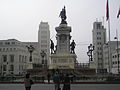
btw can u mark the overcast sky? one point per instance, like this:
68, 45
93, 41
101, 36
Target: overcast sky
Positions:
20, 19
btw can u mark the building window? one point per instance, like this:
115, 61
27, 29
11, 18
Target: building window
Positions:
4, 68
4, 58
20, 58
98, 38
13, 43
97, 43
115, 62
43, 41
11, 67
3, 49
98, 33
44, 37
7, 49
10, 49
98, 48
7, 43
11, 58
14, 49
1, 43
113, 56
98, 26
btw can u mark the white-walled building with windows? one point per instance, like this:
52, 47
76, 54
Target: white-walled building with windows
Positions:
99, 39
105, 53
116, 61
15, 57
44, 41
111, 61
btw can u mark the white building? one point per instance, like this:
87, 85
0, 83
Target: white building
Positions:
14, 57
115, 61
99, 39
44, 41
110, 61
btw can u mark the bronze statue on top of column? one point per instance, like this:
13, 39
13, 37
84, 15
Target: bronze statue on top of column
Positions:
63, 16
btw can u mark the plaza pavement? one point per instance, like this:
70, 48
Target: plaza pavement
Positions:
51, 87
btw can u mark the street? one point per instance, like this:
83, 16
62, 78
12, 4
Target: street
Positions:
51, 87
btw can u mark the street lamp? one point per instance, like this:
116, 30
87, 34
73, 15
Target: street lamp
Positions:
43, 54
117, 52
30, 49
89, 53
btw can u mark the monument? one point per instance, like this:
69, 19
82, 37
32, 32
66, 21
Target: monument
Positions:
64, 56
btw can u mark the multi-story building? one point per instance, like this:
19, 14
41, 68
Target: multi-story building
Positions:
44, 42
14, 57
115, 61
110, 56
99, 39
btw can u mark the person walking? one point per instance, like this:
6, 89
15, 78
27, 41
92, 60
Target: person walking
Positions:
56, 80
28, 82
66, 83
48, 77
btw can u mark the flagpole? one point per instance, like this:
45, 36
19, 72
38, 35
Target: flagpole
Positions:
109, 46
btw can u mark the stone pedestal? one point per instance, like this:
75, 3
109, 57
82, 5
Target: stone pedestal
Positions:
62, 61
62, 58
63, 38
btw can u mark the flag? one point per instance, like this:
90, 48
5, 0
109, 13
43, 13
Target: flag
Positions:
118, 13
107, 11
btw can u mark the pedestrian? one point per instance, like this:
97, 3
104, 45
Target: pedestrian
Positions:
48, 77
28, 82
66, 85
61, 77
56, 80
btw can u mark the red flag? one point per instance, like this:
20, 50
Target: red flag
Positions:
118, 13
107, 11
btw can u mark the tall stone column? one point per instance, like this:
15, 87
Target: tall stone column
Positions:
62, 58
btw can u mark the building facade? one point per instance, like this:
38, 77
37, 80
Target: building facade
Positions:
14, 57
44, 42
110, 57
99, 39
115, 62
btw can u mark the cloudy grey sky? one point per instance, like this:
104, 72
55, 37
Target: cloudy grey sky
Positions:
20, 19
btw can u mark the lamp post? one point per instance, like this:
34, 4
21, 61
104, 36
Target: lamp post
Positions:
43, 54
89, 53
30, 49
117, 49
